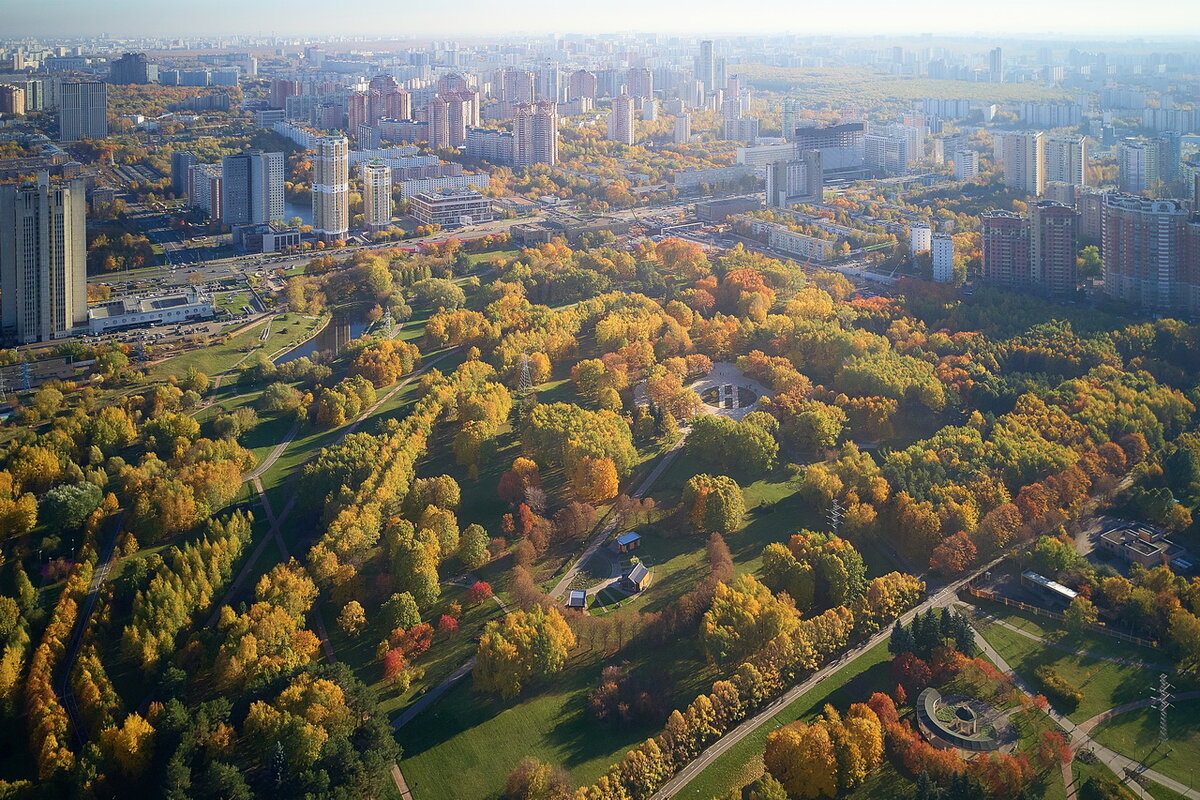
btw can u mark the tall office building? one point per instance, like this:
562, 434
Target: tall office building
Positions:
1145, 247
1052, 247
943, 257
377, 194
1066, 160
82, 111
996, 65
181, 164
581, 84
331, 187
620, 120
43, 260
252, 188
794, 181
683, 128
535, 134
706, 66
131, 68
1023, 156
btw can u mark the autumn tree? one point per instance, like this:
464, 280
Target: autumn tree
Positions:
520, 646
713, 503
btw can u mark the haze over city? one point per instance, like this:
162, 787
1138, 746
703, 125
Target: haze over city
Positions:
622, 401
1024, 18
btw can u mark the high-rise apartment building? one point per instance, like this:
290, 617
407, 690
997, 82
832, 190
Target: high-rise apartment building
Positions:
437, 119
1005, 260
132, 68
252, 188
548, 83
281, 90
535, 134
794, 181
181, 165
1052, 247
920, 238
581, 84
204, 189
1023, 156
82, 111
331, 187
1035, 252
640, 82
517, 86
706, 66
1066, 160
12, 99
791, 118
740, 129
943, 257
1147, 246
966, 165
377, 194
620, 120
996, 65
1146, 164
43, 260
888, 154
683, 128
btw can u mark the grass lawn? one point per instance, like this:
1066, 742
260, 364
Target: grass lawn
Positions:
742, 763
1135, 735
220, 356
1103, 683
1052, 630
464, 746
442, 658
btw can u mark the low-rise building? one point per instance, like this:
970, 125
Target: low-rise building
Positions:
451, 207
133, 312
1136, 543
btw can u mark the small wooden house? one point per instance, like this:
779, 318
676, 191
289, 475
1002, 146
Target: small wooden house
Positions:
628, 542
637, 579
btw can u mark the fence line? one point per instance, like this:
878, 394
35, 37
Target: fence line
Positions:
1043, 612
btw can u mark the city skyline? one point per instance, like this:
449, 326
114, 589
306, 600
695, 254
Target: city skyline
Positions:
1164, 18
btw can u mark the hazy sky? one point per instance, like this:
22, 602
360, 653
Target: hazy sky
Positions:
450, 18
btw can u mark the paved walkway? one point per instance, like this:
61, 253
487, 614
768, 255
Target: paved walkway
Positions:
564, 583
718, 748
1104, 716
427, 699
1122, 766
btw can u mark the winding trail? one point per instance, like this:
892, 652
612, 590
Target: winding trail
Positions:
1123, 767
